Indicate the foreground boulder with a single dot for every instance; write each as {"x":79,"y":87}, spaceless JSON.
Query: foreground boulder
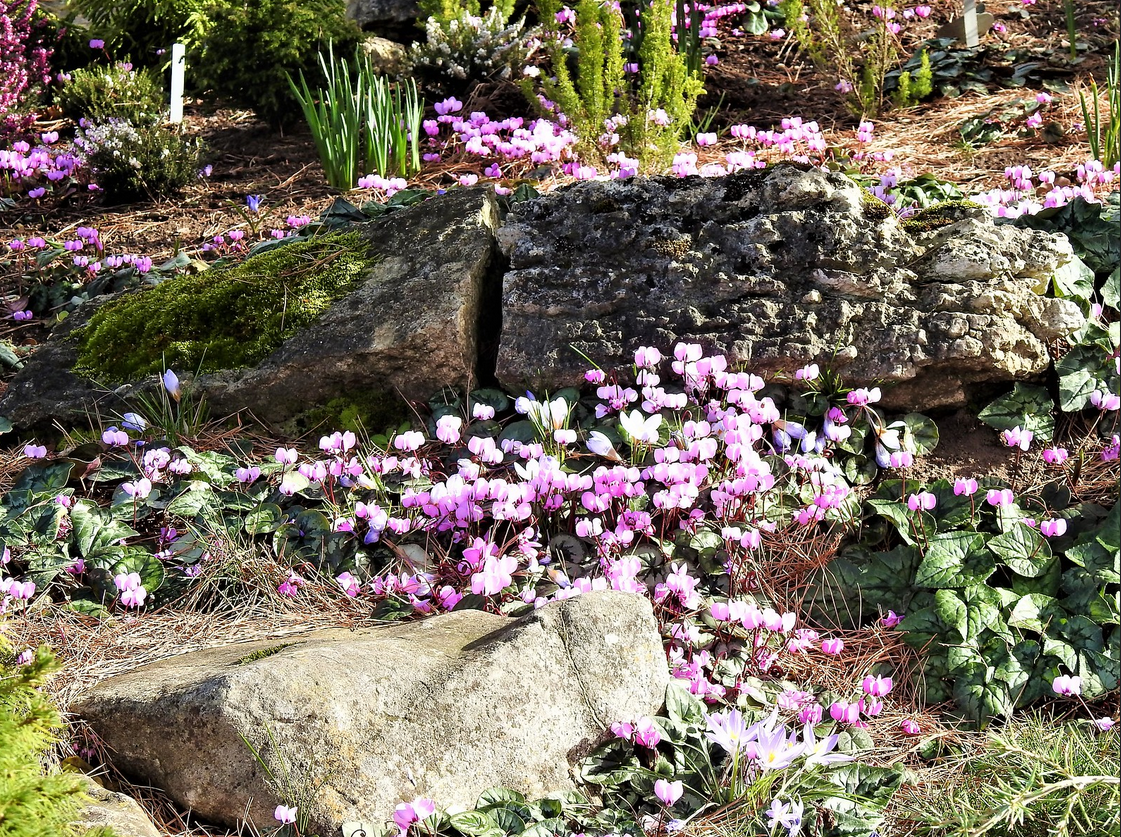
{"x":775,"y":269}
{"x":407,"y":324}
{"x":443,"y":708}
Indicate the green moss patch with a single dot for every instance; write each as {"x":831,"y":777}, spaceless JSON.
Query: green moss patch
{"x":940,"y":215}
{"x":222,"y":319}
{"x":262,"y":653}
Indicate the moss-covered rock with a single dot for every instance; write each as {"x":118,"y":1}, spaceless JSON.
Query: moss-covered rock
{"x":229,"y":318}
{"x":942,"y":214}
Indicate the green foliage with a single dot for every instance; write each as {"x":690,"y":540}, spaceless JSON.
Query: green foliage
{"x":144,"y":30}
{"x":134,"y":162}
{"x":1027,"y":407}
{"x":601,"y":91}
{"x":222,"y":319}
{"x":1000,"y":610}
{"x":251,"y":48}
{"x":101,"y":93}
{"x":361,"y":123}
{"x":910,"y":91}
{"x":1094,"y":230}
{"x":32,"y":803}
{"x":1037,"y":777}
{"x":1104,"y":134}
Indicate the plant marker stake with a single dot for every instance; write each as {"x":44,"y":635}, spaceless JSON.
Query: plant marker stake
{"x":970,"y":21}
{"x":178,"y":63}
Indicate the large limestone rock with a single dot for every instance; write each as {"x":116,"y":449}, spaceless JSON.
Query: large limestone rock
{"x":775,"y":269}
{"x":411,"y":327}
{"x":442,"y":708}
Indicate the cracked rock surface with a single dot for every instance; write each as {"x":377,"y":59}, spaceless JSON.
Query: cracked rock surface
{"x":775,"y":269}
{"x":443,"y":708}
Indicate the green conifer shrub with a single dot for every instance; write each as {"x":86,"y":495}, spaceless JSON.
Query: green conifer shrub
{"x":33,"y":802}
{"x":602,"y":90}
{"x":251,"y":47}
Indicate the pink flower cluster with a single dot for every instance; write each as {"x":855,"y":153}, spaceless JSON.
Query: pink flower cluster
{"x":1031,"y":193}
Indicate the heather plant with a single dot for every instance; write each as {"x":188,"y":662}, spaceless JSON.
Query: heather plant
{"x":138,"y":161}
{"x":361,"y":123}
{"x":24,"y":61}
{"x":249,"y":50}
{"x":469,"y":48}
{"x":119,"y":91}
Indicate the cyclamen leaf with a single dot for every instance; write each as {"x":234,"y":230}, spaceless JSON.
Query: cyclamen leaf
{"x":954,"y":559}
{"x":682,"y":707}
{"x":982,"y":611}
{"x":44,"y":566}
{"x":1111,"y":290}
{"x":473,"y":823}
{"x":1023,"y":549}
{"x":1014,"y":665}
{"x":1034,"y":612}
{"x":1082,"y":634}
{"x":922,"y":433}
{"x":1057,"y":648}
{"x":95,"y":532}
{"x":1027,"y":406}
{"x":982,"y":696}
{"x":907,"y":523}
{"x":952,"y":611}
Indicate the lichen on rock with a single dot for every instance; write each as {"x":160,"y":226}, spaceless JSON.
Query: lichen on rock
{"x":229,"y":318}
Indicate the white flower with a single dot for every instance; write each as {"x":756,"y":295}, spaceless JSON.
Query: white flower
{"x":639,"y":428}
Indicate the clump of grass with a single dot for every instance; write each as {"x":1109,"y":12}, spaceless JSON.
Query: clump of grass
{"x":1037,"y":776}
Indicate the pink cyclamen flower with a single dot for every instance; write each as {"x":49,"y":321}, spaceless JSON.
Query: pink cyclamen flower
{"x":34,"y":451}
{"x":1017,"y":437}
{"x":844,"y":713}
{"x":877,"y":686}
{"x":1055,"y":455}
{"x":891,"y":620}
{"x":910,"y":727}
{"x":808,"y":373}
{"x":646,"y":733}
{"x":1104,"y":724}
{"x":833,"y":647}
{"x":810,"y":714}
{"x":1105,"y":401}
{"x":1000,"y":497}
{"x":1055,"y":528}
{"x":349,"y":584}
{"x":131,"y":588}
{"x":967,"y":487}
{"x":923,"y":500}
{"x":668,"y":792}
{"x":284,"y":815}
{"x":1067,"y":685}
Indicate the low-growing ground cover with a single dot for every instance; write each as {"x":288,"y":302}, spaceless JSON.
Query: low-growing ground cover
{"x":750,"y":511}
